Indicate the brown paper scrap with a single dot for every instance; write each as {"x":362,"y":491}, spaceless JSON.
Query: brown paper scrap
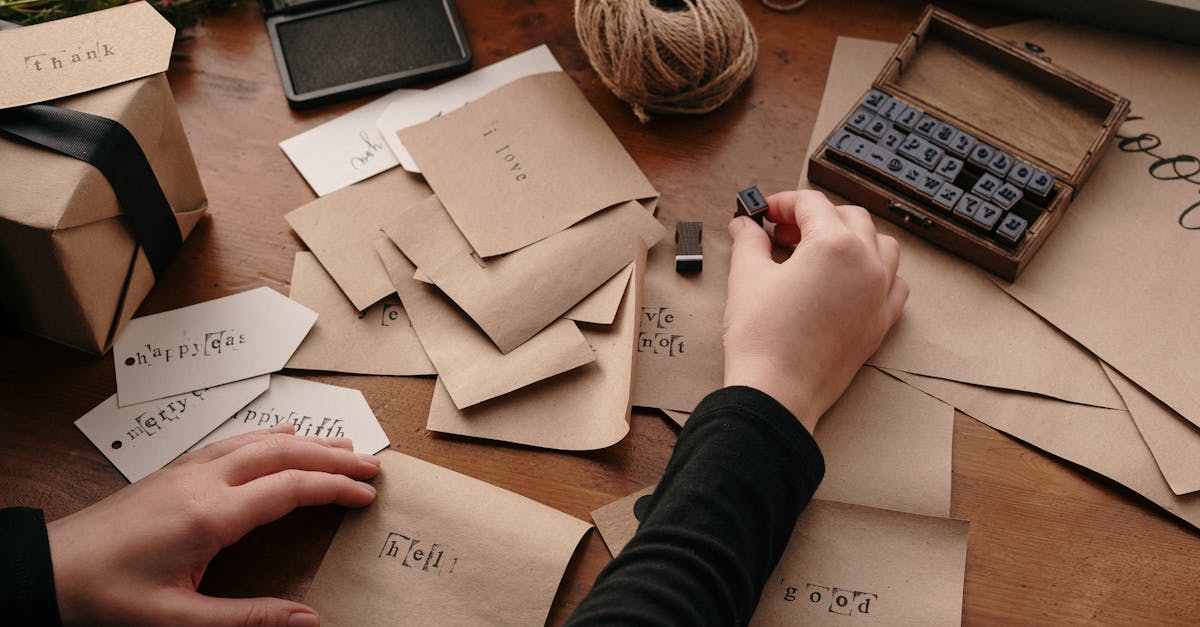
{"x":600,"y":307}
{"x":584,"y":409}
{"x":471,"y":368}
{"x":341,"y":228}
{"x":681,"y":354}
{"x":82,"y":53}
{"x":378,"y":341}
{"x":1172,"y":439}
{"x":513,"y":297}
{"x":1119,"y":274}
{"x":957,"y":324}
{"x":1100,"y":439}
{"x":524,"y":162}
{"x":441,"y":548}
{"x":846,"y":562}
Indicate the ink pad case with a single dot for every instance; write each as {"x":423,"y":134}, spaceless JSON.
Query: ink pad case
{"x":335,"y":50}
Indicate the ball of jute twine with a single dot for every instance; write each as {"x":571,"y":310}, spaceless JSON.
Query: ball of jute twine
{"x":668,"y":56}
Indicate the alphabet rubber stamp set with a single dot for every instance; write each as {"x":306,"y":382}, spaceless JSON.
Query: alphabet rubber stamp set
{"x":970,"y":142}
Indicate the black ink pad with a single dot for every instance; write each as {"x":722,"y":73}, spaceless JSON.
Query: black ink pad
{"x":330,"y":51}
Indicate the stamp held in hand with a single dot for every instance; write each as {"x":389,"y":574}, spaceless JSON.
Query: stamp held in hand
{"x":752,"y":204}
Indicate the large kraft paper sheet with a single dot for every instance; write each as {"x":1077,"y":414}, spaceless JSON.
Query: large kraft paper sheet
{"x":340,"y":229}
{"x":524,"y":162}
{"x":469,"y":366}
{"x":1120,"y":273}
{"x":1173,"y":440}
{"x":438,"y":547}
{"x":1099,"y":439}
{"x":957,"y":324}
{"x":515,"y":296}
{"x":846,"y":564}
{"x":377,"y":341}
{"x":584,"y":409}
{"x":681,"y":353}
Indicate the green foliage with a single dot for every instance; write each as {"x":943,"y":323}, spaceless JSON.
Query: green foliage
{"x":181,"y":13}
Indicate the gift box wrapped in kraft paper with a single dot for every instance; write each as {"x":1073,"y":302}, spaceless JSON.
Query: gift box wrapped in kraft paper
{"x":98,"y":187}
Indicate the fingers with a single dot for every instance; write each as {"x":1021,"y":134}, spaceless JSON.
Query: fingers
{"x":859,"y":222}
{"x":277,"y":453}
{"x":787,"y":234}
{"x":808,"y":209}
{"x":197,"y":609}
{"x":751,"y":245}
{"x":896,"y":298}
{"x":889,"y":254}
{"x":269,"y":498}
{"x":221,"y":447}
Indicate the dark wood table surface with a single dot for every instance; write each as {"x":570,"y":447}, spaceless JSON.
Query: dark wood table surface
{"x":1049,"y":542}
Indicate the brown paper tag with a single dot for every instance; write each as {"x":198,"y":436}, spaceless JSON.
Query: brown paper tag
{"x":82,"y":53}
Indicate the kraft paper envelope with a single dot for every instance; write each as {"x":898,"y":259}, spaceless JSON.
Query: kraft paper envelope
{"x":600,"y":307}
{"x":1119,"y":274}
{"x":468,"y":363}
{"x":681,"y":353}
{"x":516,"y":296}
{"x":1103,"y":440}
{"x":378,"y":341}
{"x":315,"y":409}
{"x":1172,"y":439}
{"x":584,"y":409}
{"x":346,"y":149}
{"x":957,"y":324}
{"x":220,"y":341}
{"x":846,"y":563}
{"x":340,"y":228}
{"x":523,"y":163}
{"x":441,"y":548}
{"x":513,"y":297}
{"x":436,"y":101}
{"x":139,"y":439}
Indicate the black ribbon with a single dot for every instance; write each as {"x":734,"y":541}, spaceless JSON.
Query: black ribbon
{"x":112,"y":149}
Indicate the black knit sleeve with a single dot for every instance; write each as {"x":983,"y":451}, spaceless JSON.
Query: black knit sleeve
{"x":26,"y":576}
{"x":742,"y":471}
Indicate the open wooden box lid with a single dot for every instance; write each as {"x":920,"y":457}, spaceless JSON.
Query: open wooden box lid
{"x":1024,"y":105}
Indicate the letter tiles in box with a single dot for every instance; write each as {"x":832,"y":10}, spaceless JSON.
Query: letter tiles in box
{"x":84,"y":233}
{"x":970,"y":143}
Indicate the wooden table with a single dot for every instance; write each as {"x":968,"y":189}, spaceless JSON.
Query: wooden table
{"x":1049,"y":542}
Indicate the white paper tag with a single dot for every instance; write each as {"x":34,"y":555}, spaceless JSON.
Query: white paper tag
{"x":346,"y":149}
{"x":315,"y":409}
{"x":140,"y":439}
{"x":426,"y":105}
{"x":220,"y":341}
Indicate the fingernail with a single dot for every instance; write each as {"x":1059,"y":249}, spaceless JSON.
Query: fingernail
{"x":303,"y":619}
{"x":368,"y":486}
{"x":370,"y":459}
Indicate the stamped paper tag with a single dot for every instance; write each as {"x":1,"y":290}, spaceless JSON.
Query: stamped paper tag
{"x":82,"y":53}
{"x":314,"y":409}
{"x":222,"y":340}
{"x":139,"y":439}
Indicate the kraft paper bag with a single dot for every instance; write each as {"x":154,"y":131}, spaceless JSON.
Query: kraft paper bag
{"x":957,"y":324}
{"x":845,"y":563}
{"x":584,"y":409}
{"x":681,"y":352}
{"x":1172,"y":439}
{"x":524,"y":162}
{"x":70,"y":267}
{"x":1119,"y":274}
{"x":340,"y":230}
{"x":440,"y":548}
{"x":1103,"y":440}
{"x":545,"y":279}
{"x":377,"y":341}
{"x":470,"y":367}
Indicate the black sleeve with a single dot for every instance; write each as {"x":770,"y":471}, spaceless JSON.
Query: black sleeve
{"x":26,"y":575}
{"x":742,"y":471}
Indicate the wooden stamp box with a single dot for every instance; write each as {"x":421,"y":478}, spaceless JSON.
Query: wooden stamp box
{"x":970,"y":142}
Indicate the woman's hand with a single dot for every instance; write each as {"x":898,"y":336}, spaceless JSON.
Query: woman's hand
{"x":136,"y":557}
{"x":800,"y":330}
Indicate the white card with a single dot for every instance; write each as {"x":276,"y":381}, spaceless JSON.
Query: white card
{"x":220,"y":341}
{"x":140,"y":439}
{"x":346,"y":149}
{"x":426,"y":105}
{"x":315,"y":409}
